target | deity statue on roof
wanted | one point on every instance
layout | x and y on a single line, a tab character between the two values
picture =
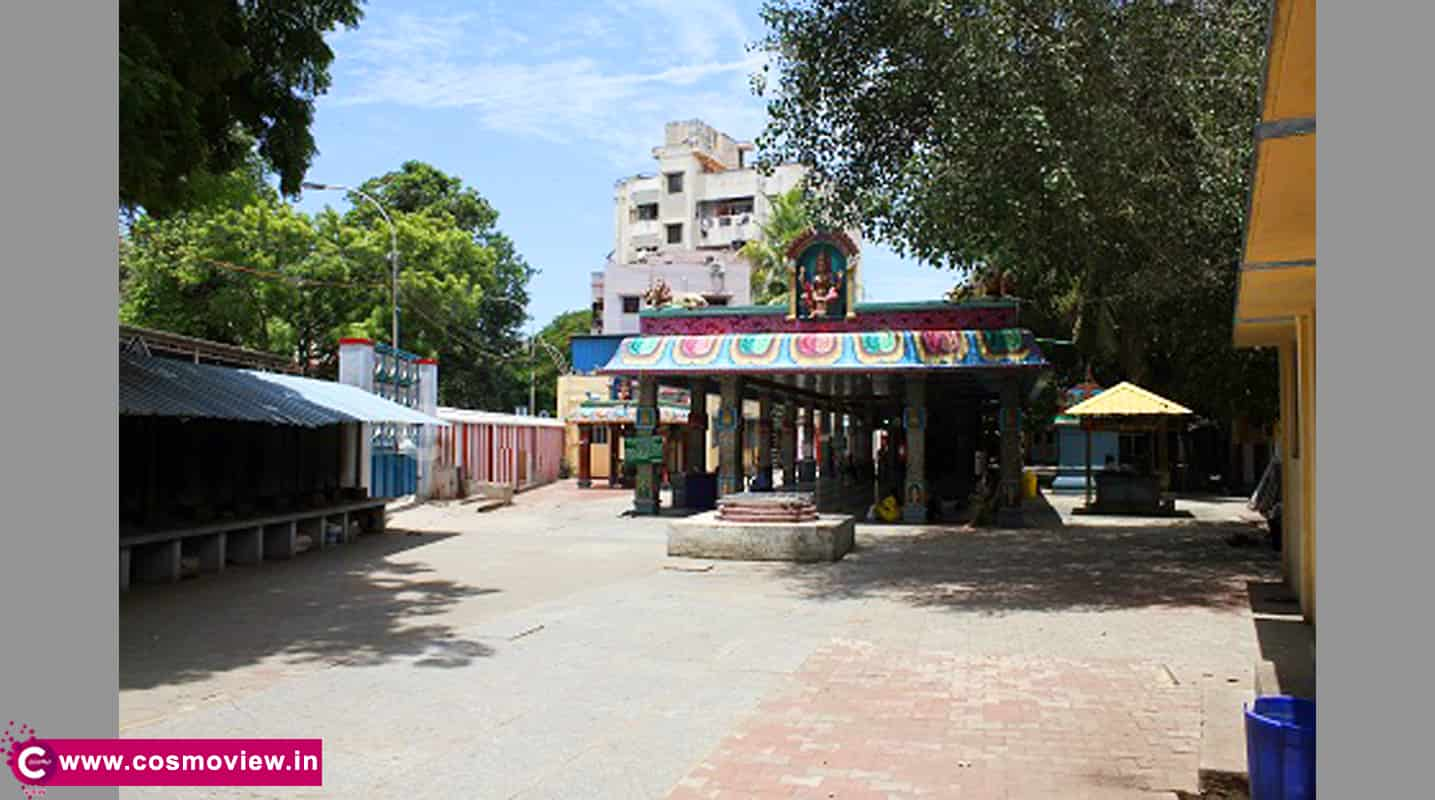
658	295
821	289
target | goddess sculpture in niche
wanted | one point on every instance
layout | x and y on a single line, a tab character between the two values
822	289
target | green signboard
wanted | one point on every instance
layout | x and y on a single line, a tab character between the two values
643	449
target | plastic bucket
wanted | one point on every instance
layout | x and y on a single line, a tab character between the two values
1029	485
1280	748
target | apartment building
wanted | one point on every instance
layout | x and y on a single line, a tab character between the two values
685	223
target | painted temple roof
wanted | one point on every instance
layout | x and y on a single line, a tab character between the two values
1071	397
866	351
621	412
1126	399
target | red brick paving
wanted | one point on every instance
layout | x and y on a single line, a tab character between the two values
863	722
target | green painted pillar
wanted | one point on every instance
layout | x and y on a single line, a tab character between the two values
1011	443
729	430
647	483
914	420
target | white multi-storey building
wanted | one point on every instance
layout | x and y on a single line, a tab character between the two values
685	223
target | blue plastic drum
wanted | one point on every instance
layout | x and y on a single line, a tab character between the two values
1280	748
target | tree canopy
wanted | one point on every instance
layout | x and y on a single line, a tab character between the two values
1095	151
552	353
203	84
256	272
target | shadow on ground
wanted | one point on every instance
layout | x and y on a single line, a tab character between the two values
345	605
1045	569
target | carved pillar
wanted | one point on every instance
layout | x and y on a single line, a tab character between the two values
914	420
697	432
585	456
647	484
807	469
764	441
729	428
788	445
1011	443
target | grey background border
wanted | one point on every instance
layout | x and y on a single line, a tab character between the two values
58	571
57	312
1374	534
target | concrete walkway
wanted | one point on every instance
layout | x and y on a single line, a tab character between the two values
551	650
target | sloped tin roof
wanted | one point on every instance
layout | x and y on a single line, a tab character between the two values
1126	399
164	387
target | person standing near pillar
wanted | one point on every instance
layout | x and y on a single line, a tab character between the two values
647	482
729	429
914	420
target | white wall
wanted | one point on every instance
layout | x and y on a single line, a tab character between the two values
686	276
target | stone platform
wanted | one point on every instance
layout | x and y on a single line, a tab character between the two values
829	537
767	507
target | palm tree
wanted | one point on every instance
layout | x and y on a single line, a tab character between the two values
788	219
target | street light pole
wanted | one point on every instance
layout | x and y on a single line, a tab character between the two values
393	249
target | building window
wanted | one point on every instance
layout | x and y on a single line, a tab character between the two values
675	182
600	434
648	211
716	299
631	303
675	233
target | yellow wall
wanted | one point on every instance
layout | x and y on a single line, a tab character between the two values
1306	350
572	391
1297	366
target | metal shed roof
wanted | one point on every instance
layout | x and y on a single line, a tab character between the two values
162	387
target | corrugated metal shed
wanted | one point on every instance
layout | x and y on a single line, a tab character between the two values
162	387
496	418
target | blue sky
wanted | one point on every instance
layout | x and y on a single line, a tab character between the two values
541	106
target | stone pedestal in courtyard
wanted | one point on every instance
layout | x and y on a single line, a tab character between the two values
829	537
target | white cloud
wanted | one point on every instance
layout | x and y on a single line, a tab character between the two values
609	77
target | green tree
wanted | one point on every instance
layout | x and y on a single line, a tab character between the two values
463	287
552	352
788	218
258	273
204	84
1094	151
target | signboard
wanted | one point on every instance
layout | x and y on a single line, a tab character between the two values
643	449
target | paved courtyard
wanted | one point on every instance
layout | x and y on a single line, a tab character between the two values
552	650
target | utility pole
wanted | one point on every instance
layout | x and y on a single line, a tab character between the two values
393	248
532	377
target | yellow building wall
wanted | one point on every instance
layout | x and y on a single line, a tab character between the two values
1306	351
572	391
1297	366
